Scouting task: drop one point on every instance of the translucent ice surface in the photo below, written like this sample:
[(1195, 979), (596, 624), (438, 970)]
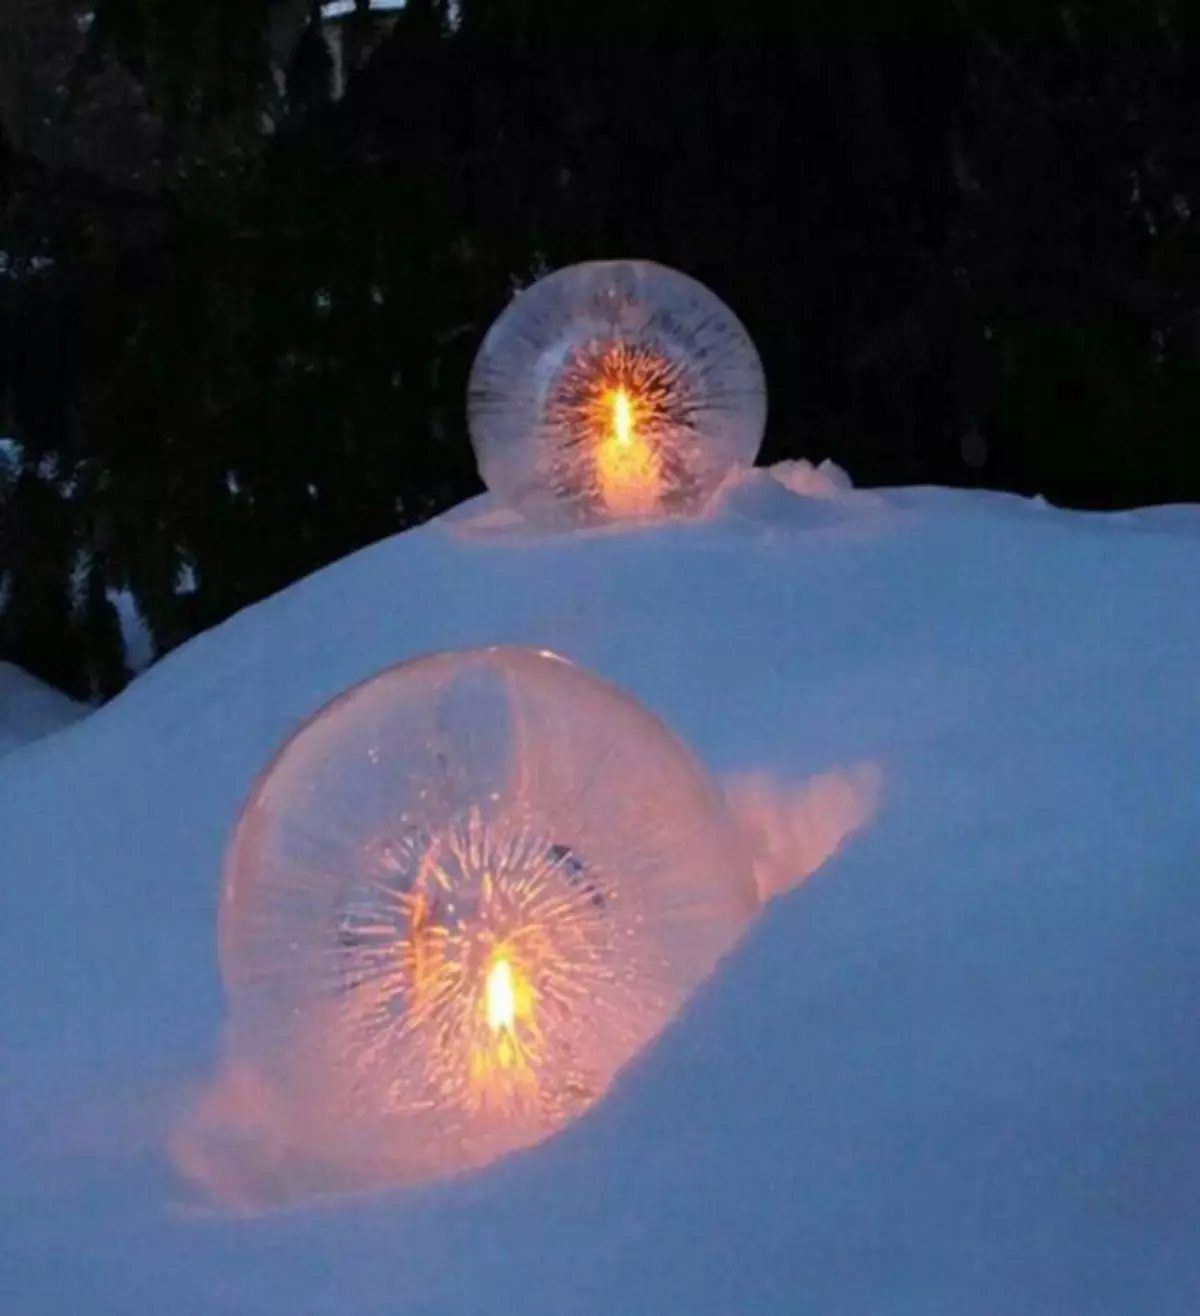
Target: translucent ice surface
[(460, 899), (614, 390)]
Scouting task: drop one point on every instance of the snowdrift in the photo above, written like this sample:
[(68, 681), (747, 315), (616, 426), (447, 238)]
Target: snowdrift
[(30, 709), (955, 1071)]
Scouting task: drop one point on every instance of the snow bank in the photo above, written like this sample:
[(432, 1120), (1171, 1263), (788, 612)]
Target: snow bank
[(30, 709), (955, 1071)]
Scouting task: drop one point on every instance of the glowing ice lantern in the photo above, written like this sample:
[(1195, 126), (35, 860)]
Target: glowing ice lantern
[(460, 899), (614, 390)]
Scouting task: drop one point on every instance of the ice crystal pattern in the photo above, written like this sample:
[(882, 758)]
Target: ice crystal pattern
[(614, 390), (460, 899)]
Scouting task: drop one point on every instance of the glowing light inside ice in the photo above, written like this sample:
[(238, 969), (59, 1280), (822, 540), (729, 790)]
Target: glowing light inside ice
[(460, 900), (614, 390), (501, 998)]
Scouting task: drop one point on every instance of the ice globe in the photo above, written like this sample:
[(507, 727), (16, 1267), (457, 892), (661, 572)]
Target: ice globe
[(614, 390), (459, 900)]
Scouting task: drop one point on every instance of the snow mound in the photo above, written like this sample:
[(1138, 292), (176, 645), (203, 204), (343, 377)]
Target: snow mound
[(30, 709), (955, 1071), (824, 481)]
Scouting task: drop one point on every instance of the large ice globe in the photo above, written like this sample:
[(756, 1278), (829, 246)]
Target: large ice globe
[(459, 900), (614, 390)]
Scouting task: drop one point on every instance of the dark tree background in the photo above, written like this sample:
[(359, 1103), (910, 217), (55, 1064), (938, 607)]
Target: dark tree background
[(248, 254)]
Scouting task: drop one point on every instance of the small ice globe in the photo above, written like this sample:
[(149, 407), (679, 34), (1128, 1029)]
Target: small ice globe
[(612, 391), (462, 897)]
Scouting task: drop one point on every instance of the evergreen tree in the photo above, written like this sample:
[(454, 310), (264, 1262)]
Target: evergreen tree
[(310, 73)]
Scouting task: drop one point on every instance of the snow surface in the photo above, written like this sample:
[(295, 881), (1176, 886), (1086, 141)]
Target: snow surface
[(30, 709), (955, 1073)]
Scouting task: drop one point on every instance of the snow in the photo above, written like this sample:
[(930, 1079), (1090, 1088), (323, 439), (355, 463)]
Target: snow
[(955, 1071), (340, 8), (29, 709), (139, 644)]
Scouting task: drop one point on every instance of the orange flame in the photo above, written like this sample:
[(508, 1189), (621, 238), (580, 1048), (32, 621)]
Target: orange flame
[(622, 411), (501, 997), (504, 1064), (627, 469)]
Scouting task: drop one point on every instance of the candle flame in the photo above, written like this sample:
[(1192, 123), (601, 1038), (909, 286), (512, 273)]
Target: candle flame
[(504, 1068), (627, 469), (501, 997), (622, 415)]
